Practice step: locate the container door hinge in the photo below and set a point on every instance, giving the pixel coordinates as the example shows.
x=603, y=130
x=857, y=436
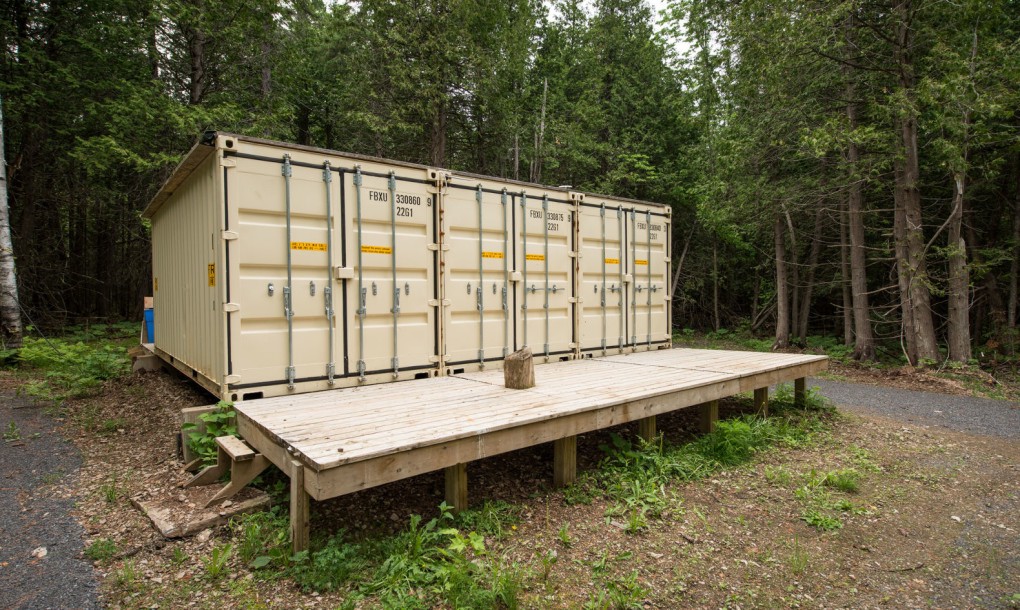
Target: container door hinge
x=231, y=307
x=433, y=358
x=228, y=162
x=578, y=197
x=228, y=235
x=231, y=379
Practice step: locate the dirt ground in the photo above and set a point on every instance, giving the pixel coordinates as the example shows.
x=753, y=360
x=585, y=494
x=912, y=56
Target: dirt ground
x=934, y=523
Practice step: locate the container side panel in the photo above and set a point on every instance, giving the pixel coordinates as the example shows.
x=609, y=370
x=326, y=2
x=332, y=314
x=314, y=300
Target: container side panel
x=650, y=269
x=187, y=281
x=602, y=283
x=258, y=190
x=544, y=246
x=390, y=238
x=477, y=266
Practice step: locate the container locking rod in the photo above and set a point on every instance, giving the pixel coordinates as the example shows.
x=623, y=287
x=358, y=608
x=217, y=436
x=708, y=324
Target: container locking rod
x=288, y=310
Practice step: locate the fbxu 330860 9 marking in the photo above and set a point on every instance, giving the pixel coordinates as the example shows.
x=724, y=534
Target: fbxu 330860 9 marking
x=402, y=200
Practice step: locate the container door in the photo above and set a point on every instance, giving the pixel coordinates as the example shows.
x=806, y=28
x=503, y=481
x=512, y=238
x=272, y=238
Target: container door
x=477, y=252
x=545, y=316
x=284, y=267
x=391, y=291
x=649, y=268
x=603, y=281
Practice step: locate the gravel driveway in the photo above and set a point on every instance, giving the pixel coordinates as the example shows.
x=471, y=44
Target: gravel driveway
x=34, y=461
x=963, y=413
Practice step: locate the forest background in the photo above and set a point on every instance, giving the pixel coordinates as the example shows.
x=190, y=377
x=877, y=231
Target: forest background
x=847, y=168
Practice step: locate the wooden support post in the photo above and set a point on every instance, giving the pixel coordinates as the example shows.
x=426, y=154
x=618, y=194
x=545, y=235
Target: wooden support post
x=761, y=401
x=799, y=392
x=299, y=505
x=564, y=461
x=456, y=487
x=646, y=428
x=709, y=415
x=519, y=369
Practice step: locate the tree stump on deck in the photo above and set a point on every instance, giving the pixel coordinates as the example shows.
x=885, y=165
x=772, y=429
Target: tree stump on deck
x=519, y=369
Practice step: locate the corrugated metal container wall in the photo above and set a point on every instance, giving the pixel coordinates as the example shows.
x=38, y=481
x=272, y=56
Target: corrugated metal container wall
x=624, y=279
x=478, y=263
x=321, y=269
x=544, y=228
x=187, y=275
x=361, y=286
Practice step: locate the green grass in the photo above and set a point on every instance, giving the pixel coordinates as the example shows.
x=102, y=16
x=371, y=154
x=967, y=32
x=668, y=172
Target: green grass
x=635, y=477
x=102, y=549
x=70, y=367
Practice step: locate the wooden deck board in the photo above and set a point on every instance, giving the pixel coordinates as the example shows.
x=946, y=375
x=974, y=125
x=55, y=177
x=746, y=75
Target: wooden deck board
x=331, y=429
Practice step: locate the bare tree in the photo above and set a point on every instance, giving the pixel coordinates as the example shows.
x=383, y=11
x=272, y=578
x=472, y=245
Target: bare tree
x=10, y=314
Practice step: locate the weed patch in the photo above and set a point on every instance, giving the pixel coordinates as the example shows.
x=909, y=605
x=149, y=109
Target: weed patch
x=222, y=421
x=102, y=549
x=71, y=368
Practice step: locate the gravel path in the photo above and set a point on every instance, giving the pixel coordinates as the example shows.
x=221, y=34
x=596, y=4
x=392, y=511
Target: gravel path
x=34, y=461
x=963, y=413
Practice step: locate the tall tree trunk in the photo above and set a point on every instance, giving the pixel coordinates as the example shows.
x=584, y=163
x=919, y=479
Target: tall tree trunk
x=864, y=340
x=536, y=162
x=680, y=263
x=793, y=272
x=782, y=290
x=959, y=281
x=10, y=312
x=716, y=323
x=809, y=282
x=437, y=136
x=959, y=275
x=196, y=55
x=1014, y=266
x=907, y=333
x=844, y=273
x=910, y=193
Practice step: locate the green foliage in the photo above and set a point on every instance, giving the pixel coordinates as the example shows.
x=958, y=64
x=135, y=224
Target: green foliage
x=262, y=539
x=102, y=549
x=430, y=562
x=816, y=518
x=843, y=480
x=12, y=433
x=636, y=478
x=71, y=368
x=222, y=421
x=216, y=562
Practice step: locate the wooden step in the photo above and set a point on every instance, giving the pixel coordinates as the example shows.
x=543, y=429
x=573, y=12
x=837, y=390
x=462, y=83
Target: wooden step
x=238, y=450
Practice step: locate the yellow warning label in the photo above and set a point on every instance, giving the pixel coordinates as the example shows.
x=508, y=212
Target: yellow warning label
x=492, y=255
x=307, y=245
x=640, y=262
x=212, y=274
x=377, y=249
x=535, y=257
x=612, y=261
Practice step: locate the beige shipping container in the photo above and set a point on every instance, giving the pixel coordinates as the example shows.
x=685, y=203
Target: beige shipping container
x=282, y=269
x=624, y=261
x=318, y=269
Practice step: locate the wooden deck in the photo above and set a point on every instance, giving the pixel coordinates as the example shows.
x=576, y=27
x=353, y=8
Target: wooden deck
x=336, y=442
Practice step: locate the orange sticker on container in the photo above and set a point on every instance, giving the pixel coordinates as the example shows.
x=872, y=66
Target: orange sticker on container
x=640, y=262
x=212, y=274
x=535, y=257
x=377, y=249
x=492, y=255
x=307, y=245
x=612, y=261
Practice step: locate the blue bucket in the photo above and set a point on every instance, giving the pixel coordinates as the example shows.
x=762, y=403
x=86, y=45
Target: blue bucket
x=150, y=325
